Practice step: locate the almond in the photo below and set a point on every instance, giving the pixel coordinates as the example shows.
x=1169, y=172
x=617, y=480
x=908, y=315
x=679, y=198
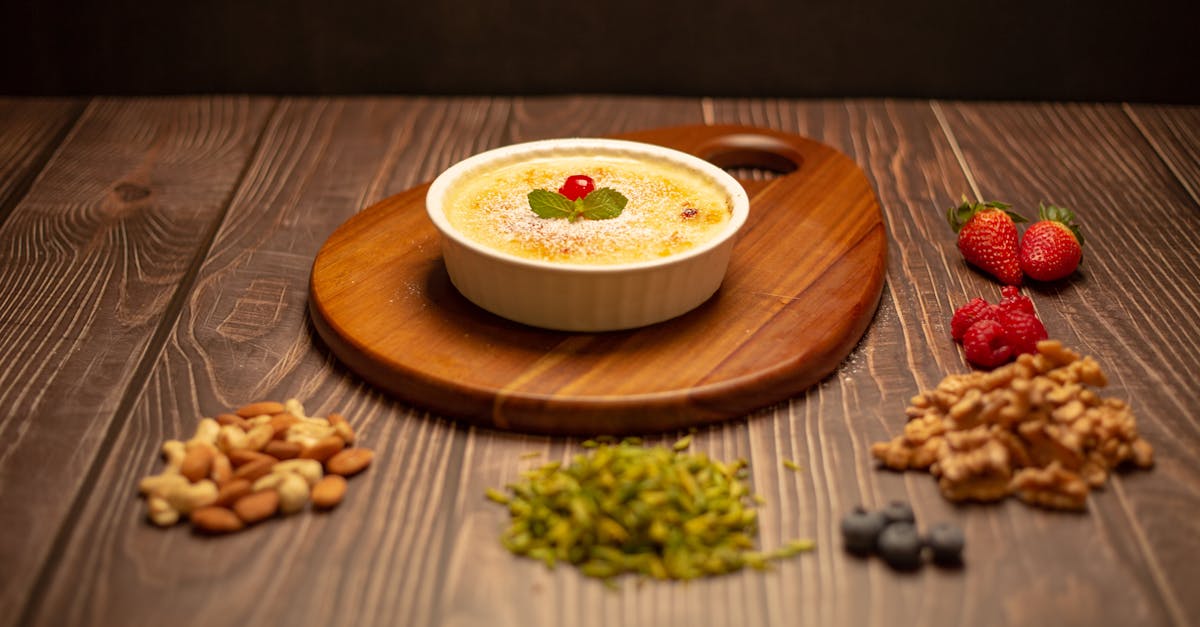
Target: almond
x=197, y=463
x=242, y=457
x=349, y=461
x=329, y=491
x=282, y=450
x=281, y=423
x=213, y=519
x=222, y=469
x=255, y=469
x=233, y=419
x=324, y=448
x=258, y=506
x=259, y=409
x=229, y=493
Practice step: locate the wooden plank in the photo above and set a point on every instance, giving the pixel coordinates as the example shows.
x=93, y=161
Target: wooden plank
x=828, y=430
x=486, y=585
x=1133, y=307
x=90, y=261
x=243, y=335
x=1174, y=132
x=917, y=175
x=30, y=130
x=784, y=317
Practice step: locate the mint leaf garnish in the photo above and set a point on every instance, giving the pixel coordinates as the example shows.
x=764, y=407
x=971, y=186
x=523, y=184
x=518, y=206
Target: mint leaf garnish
x=600, y=204
x=550, y=204
x=603, y=203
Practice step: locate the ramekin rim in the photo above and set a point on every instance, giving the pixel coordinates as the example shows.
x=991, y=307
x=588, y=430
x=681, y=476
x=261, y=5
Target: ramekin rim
x=739, y=200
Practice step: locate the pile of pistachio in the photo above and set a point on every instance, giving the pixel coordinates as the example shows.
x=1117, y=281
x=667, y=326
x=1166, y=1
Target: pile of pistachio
x=625, y=508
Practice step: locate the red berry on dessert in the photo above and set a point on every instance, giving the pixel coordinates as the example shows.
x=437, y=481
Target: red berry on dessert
x=577, y=186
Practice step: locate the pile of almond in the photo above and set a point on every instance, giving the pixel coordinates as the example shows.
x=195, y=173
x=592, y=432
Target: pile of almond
x=244, y=467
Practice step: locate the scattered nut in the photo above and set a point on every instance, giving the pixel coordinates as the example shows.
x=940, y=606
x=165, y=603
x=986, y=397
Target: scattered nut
x=329, y=491
x=259, y=436
x=280, y=449
x=160, y=485
x=160, y=511
x=229, y=493
x=231, y=438
x=222, y=469
x=324, y=448
x=342, y=428
x=255, y=469
x=242, y=457
x=1029, y=428
x=233, y=419
x=214, y=519
x=174, y=451
x=309, y=469
x=257, y=507
x=281, y=424
x=349, y=461
x=245, y=466
x=207, y=431
x=197, y=463
x=293, y=493
x=261, y=408
x=186, y=499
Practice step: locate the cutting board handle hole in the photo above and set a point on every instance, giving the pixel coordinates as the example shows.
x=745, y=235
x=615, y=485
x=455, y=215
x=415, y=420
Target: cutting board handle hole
x=752, y=157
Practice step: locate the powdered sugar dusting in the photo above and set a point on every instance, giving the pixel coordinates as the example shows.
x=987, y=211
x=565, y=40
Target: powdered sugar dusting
x=670, y=209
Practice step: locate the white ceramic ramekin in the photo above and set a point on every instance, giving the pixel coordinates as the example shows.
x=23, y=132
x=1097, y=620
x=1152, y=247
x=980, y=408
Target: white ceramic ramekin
x=577, y=297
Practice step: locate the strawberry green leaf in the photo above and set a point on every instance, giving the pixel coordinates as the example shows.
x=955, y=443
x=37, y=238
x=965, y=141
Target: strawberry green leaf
x=548, y=204
x=960, y=215
x=1061, y=214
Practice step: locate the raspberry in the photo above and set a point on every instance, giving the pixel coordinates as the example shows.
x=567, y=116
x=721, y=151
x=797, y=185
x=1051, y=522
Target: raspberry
x=577, y=186
x=986, y=344
x=1013, y=300
x=1022, y=331
x=975, y=310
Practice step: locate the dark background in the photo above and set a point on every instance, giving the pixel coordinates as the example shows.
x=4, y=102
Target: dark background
x=1131, y=51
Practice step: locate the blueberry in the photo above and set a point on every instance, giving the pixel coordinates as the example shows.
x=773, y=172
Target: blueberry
x=900, y=546
x=946, y=541
x=860, y=530
x=899, y=511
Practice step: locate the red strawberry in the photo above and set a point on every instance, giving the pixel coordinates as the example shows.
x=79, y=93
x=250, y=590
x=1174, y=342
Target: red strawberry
x=986, y=344
x=1052, y=246
x=987, y=238
x=975, y=310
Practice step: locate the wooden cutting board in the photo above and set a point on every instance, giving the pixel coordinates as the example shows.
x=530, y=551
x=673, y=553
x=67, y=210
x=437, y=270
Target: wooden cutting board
x=804, y=282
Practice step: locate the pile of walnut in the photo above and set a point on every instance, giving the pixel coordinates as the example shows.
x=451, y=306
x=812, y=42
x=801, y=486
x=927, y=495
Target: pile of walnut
x=1031, y=428
x=242, y=468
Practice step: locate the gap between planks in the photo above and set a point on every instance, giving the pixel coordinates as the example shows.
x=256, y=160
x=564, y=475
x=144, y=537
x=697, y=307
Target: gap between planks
x=137, y=384
x=38, y=164
x=1167, y=161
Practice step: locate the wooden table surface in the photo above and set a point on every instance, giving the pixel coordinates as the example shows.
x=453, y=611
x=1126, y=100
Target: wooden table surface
x=154, y=257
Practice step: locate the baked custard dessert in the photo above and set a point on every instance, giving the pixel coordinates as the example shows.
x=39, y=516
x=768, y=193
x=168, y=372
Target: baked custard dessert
x=668, y=209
